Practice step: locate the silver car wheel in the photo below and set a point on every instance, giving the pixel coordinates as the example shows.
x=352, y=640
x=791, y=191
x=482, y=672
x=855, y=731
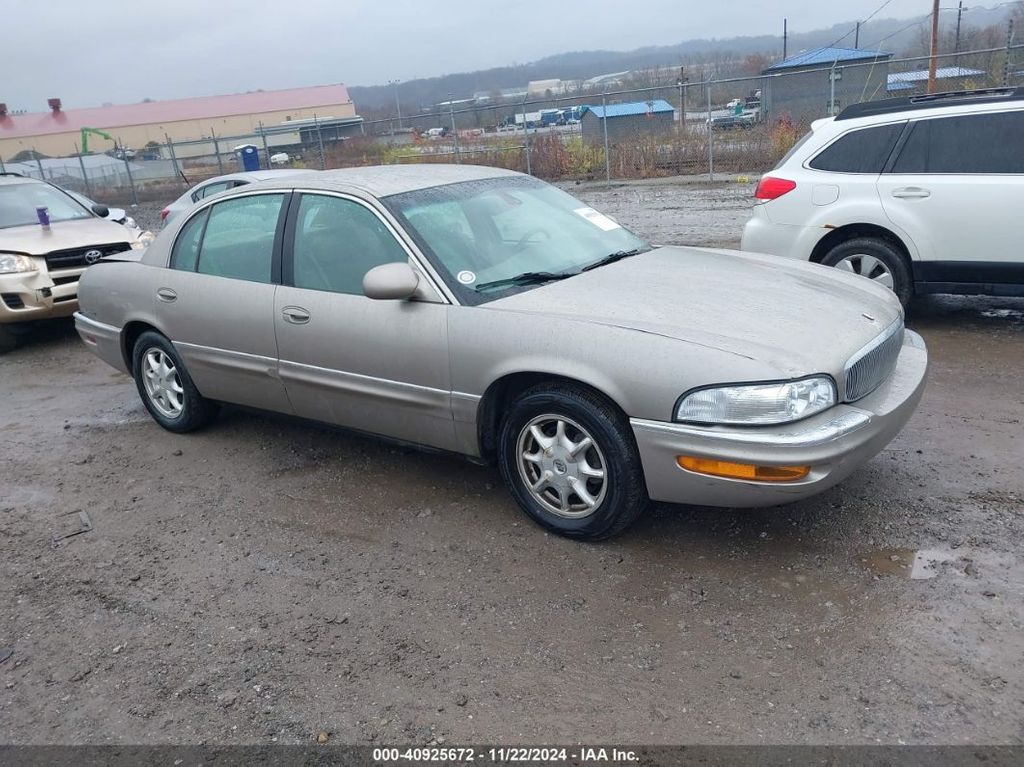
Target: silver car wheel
x=163, y=386
x=867, y=266
x=562, y=466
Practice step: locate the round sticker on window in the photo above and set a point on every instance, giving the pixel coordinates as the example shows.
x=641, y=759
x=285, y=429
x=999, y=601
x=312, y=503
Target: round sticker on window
x=466, y=277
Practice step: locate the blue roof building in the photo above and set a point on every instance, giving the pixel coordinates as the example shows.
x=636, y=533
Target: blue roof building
x=626, y=120
x=826, y=57
x=821, y=82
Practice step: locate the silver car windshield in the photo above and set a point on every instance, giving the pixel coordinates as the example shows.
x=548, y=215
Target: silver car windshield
x=495, y=236
x=18, y=203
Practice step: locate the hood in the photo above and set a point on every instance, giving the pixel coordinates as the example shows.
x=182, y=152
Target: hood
x=796, y=317
x=34, y=240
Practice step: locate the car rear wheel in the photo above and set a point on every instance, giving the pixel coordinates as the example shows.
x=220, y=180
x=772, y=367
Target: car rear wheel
x=569, y=458
x=165, y=386
x=875, y=259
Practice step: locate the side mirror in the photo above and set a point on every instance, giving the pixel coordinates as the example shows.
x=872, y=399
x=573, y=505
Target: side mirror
x=391, y=282
x=100, y=210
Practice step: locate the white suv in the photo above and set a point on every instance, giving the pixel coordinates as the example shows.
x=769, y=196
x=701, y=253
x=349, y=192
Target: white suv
x=920, y=194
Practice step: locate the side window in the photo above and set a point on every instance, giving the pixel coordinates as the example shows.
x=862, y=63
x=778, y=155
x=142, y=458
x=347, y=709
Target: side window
x=210, y=189
x=860, y=151
x=239, y=238
x=185, y=252
x=337, y=242
x=982, y=143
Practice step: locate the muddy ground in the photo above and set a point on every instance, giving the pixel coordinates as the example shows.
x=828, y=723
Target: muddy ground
x=265, y=580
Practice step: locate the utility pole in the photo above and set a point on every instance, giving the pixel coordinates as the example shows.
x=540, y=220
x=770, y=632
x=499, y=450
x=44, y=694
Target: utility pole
x=856, y=37
x=934, y=52
x=1009, y=51
x=785, y=37
x=956, y=45
x=398, y=104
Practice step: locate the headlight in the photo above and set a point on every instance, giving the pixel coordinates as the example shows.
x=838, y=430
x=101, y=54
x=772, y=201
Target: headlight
x=144, y=240
x=12, y=264
x=758, y=404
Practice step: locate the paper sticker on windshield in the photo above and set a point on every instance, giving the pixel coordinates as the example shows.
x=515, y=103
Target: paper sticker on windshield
x=600, y=220
x=466, y=277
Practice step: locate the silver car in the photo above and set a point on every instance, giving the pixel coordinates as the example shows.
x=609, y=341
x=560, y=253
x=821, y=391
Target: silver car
x=488, y=313
x=218, y=184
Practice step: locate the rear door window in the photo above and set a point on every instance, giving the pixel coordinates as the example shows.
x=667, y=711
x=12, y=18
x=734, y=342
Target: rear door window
x=239, y=238
x=979, y=143
x=860, y=151
x=185, y=252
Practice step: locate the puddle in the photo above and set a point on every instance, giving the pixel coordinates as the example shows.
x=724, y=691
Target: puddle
x=916, y=564
x=1003, y=313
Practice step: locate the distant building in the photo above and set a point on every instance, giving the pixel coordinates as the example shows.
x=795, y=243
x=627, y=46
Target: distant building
x=947, y=79
x=554, y=87
x=56, y=132
x=802, y=87
x=626, y=120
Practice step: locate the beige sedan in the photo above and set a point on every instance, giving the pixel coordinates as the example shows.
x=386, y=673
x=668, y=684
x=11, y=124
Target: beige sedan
x=487, y=313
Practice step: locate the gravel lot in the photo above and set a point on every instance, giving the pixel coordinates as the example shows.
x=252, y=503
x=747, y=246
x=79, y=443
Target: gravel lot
x=266, y=580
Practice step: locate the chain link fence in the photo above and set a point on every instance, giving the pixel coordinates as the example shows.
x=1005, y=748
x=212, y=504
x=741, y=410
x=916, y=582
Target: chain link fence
x=679, y=122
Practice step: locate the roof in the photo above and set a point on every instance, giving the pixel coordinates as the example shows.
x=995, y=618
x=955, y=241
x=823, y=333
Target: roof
x=385, y=180
x=921, y=75
x=632, y=109
x=826, y=57
x=157, y=112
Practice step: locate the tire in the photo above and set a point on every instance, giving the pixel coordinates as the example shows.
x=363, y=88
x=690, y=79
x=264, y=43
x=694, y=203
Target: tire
x=614, y=500
x=172, y=400
x=889, y=264
x=8, y=339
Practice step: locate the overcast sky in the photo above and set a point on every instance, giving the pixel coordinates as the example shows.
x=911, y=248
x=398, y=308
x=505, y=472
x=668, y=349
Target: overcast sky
x=158, y=49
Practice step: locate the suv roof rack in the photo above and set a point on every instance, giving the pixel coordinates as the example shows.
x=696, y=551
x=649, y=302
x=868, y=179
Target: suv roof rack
x=931, y=100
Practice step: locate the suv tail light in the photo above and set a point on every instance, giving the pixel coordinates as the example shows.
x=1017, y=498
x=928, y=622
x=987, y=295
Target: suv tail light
x=163, y=214
x=771, y=188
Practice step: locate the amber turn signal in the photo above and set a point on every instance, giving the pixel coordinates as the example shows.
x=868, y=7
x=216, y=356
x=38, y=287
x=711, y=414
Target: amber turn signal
x=742, y=470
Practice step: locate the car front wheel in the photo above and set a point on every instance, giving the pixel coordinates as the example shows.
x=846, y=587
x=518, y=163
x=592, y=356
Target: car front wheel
x=165, y=386
x=875, y=259
x=569, y=458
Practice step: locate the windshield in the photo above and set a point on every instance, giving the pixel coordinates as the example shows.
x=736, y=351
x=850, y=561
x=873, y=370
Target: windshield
x=18, y=203
x=496, y=236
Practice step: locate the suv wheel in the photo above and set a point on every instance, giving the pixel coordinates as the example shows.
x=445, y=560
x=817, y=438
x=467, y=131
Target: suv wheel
x=570, y=461
x=875, y=259
x=8, y=339
x=165, y=386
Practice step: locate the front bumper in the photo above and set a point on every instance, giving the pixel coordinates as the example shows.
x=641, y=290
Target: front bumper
x=834, y=444
x=39, y=295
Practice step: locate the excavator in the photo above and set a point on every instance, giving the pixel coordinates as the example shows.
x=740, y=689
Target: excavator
x=95, y=132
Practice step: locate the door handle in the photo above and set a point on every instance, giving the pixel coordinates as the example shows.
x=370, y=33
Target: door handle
x=911, y=193
x=295, y=315
x=166, y=294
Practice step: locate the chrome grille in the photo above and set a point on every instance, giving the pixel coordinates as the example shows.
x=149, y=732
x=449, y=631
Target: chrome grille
x=866, y=369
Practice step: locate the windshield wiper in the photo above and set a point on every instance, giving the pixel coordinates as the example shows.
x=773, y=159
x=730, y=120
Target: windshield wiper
x=611, y=258
x=526, y=278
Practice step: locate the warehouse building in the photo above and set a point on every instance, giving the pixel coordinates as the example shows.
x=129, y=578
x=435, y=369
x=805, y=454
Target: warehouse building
x=290, y=116
x=802, y=85
x=627, y=120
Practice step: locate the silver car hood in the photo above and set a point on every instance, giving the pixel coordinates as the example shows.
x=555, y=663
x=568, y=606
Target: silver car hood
x=34, y=240
x=799, y=318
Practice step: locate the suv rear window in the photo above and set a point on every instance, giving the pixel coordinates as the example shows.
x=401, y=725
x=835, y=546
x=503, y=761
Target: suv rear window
x=860, y=151
x=980, y=143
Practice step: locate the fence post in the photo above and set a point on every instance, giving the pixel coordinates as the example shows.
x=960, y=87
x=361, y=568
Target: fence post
x=85, y=176
x=711, y=138
x=526, y=136
x=3, y=168
x=216, y=149
x=174, y=160
x=39, y=164
x=604, y=127
x=1009, y=51
x=455, y=130
x=266, y=147
x=128, y=170
x=320, y=141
